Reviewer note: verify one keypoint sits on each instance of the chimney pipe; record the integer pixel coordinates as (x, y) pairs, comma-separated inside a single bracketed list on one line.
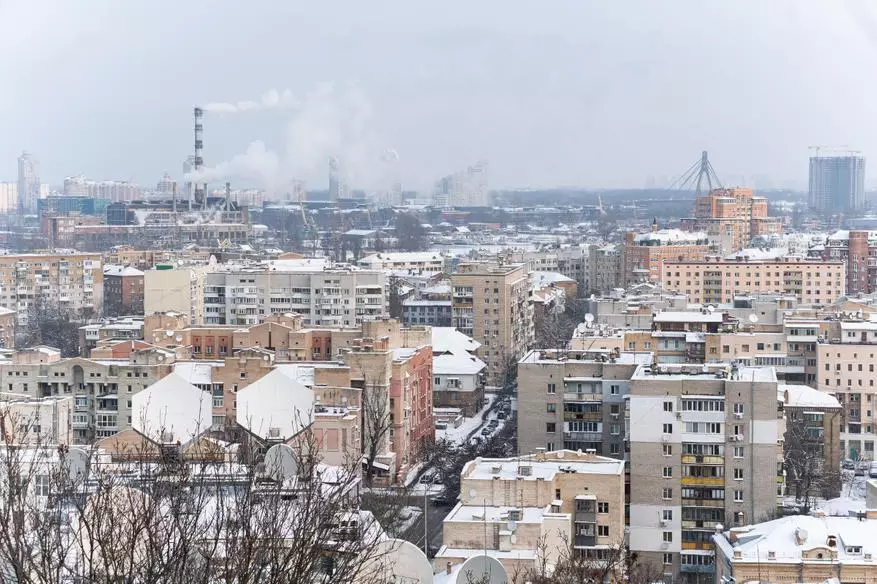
[(448, 568)]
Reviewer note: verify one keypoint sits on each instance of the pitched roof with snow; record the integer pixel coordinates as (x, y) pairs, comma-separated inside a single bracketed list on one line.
[(457, 364), (804, 396), (171, 409), (447, 339), (276, 406)]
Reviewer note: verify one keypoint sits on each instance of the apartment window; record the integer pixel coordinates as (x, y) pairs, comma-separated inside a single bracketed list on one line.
[(668, 428), (614, 389), (668, 450), (726, 348), (551, 427), (827, 367), (738, 452), (738, 474), (668, 559), (550, 447), (668, 406), (614, 448), (603, 530), (551, 408), (666, 493), (602, 507), (668, 472), (738, 408), (615, 429), (668, 537), (42, 486), (667, 515), (738, 496), (759, 346), (552, 388)]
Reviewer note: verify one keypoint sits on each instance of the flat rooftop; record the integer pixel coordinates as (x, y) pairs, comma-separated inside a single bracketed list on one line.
[(706, 372), (557, 462)]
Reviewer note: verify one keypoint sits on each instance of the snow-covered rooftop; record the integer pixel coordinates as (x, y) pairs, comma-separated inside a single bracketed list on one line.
[(457, 364), (508, 468), (788, 538), (671, 236), (803, 396), (172, 409), (448, 339), (276, 406), (682, 316)]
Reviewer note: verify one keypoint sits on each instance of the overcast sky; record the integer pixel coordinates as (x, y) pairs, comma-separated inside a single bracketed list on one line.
[(580, 92)]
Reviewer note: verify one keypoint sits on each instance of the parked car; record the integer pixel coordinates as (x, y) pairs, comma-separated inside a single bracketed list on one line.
[(486, 432), (502, 415), (872, 470), (441, 500), (860, 471), (848, 465)]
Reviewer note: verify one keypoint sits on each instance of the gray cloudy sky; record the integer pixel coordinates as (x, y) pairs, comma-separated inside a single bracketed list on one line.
[(579, 92)]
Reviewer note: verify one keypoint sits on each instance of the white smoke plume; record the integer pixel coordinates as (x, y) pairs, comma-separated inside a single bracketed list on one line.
[(327, 122), (257, 165), (270, 100)]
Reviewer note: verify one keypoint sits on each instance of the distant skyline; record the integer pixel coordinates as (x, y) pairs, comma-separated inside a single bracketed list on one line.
[(575, 93)]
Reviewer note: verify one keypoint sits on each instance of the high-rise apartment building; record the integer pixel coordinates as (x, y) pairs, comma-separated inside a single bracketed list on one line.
[(491, 303), (466, 188), (575, 400), (331, 296), (8, 197), (731, 218), (71, 282), (837, 183), (717, 280), (645, 253), (28, 183), (703, 450)]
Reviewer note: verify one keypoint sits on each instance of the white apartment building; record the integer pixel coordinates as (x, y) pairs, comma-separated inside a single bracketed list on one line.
[(328, 297), (416, 263)]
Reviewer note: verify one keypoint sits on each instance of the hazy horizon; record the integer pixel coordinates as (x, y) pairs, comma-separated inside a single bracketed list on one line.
[(576, 94)]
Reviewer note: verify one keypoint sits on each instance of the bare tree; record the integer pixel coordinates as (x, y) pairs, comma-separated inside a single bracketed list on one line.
[(394, 285), (804, 460), (377, 420), (49, 324), (616, 562), (173, 514)]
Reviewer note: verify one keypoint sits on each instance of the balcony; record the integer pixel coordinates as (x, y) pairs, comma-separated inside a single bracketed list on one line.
[(701, 459), (583, 436), (703, 481), (698, 568), (703, 502), (585, 541)]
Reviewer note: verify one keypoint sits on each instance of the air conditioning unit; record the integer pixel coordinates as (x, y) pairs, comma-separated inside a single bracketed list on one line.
[(738, 415), (666, 437), (664, 523), (678, 415)]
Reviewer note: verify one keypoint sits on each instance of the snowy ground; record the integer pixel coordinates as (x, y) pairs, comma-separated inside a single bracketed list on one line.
[(852, 497), (460, 433), (408, 518)]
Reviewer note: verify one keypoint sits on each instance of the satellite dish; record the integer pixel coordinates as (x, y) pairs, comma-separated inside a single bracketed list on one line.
[(710, 308), (589, 318), (179, 338), (592, 297), (473, 493), (482, 569), (753, 318), (396, 560), (280, 463), (77, 465), (168, 333), (265, 358)]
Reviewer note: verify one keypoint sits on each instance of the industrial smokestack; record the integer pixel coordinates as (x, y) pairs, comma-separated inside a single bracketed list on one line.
[(199, 159), (174, 187), (227, 195)]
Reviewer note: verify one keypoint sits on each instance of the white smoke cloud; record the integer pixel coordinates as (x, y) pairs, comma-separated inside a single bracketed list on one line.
[(257, 165), (270, 100), (327, 122)]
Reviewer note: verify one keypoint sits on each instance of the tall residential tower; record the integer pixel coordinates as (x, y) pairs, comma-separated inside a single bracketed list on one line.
[(28, 183), (837, 183)]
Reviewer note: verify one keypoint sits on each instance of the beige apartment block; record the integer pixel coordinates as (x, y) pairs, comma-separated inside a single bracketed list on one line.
[(564, 498), (701, 440), (846, 369), (799, 548), (179, 290), (102, 391), (491, 303), (717, 280), (70, 281), (39, 421), (575, 400)]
